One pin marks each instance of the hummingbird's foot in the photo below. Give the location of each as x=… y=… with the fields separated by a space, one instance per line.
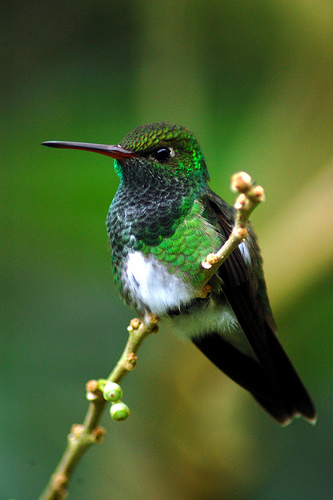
x=204 y=292
x=153 y=318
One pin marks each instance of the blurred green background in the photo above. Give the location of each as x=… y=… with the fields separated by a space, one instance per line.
x=254 y=81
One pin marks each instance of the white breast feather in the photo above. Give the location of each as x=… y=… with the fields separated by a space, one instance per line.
x=151 y=284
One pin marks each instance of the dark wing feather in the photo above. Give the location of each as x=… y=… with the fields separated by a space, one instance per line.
x=273 y=381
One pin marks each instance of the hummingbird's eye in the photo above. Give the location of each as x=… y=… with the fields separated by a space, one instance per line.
x=163 y=154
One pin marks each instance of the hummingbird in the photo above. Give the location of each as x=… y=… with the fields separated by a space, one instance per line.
x=162 y=223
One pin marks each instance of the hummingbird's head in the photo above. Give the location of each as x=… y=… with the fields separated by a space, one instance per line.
x=162 y=172
x=165 y=150
x=157 y=151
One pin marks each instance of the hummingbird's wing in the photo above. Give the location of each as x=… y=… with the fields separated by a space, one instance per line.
x=272 y=379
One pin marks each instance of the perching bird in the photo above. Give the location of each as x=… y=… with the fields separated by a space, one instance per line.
x=162 y=223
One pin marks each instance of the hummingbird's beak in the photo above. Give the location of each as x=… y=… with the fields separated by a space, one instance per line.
x=116 y=152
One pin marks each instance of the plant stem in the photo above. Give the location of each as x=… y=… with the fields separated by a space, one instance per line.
x=249 y=198
x=83 y=436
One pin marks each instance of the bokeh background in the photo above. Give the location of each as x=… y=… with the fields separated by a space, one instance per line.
x=254 y=81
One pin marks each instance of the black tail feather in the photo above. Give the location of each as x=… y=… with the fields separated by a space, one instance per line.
x=284 y=397
x=289 y=381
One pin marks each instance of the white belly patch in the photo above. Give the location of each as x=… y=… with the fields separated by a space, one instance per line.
x=152 y=286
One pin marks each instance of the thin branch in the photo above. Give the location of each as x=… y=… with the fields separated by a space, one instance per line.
x=82 y=436
x=249 y=198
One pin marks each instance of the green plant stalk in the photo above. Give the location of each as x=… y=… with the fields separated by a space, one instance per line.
x=83 y=436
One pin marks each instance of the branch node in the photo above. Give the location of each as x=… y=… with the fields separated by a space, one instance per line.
x=210 y=260
x=93 y=390
x=98 y=434
x=240 y=233
x=92 y=385
x=134 y=324
x=59 y=484
x=130 y=362
x=76 y=431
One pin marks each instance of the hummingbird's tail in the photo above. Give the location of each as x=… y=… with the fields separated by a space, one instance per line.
x=283 y=396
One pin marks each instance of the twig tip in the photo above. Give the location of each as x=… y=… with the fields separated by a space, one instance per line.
x=259 y=193
x=241 y=182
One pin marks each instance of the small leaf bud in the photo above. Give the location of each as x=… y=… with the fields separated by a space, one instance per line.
x=112 y=392
x=119 y=411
